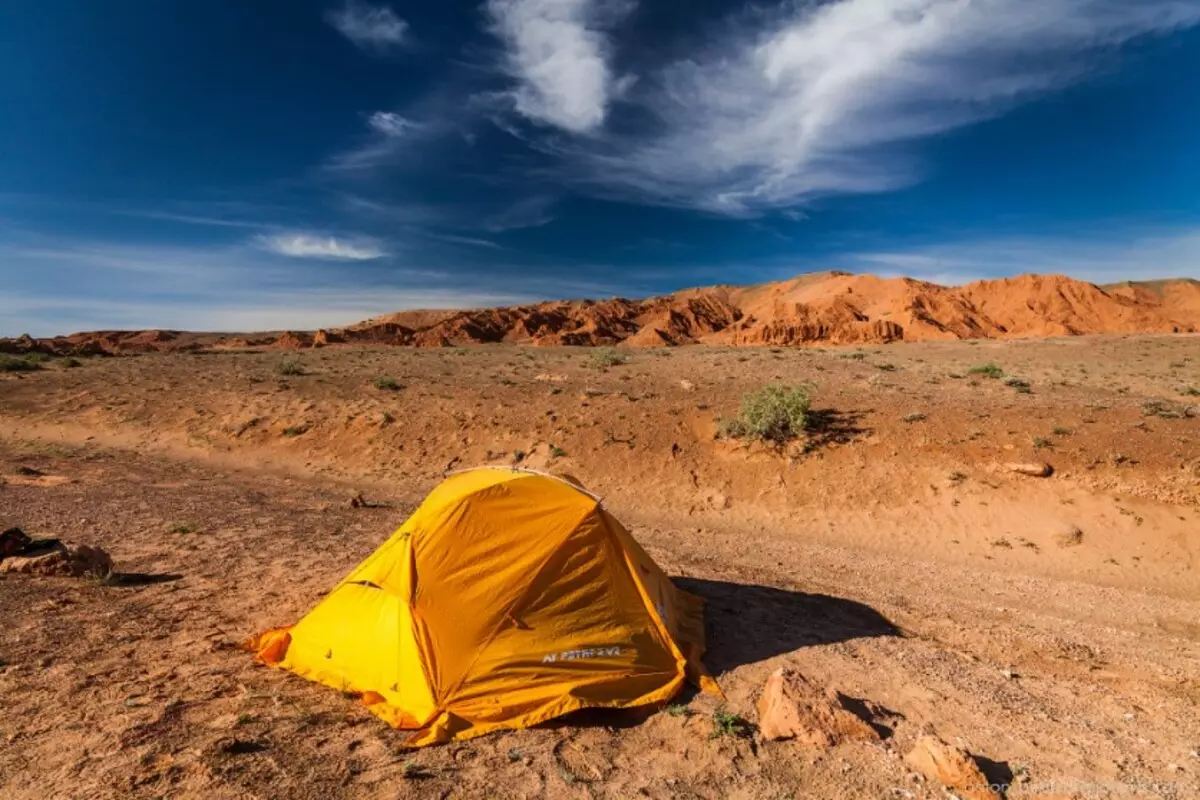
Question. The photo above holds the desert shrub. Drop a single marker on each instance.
(1190, 391)
(1060, 431)
(556, 451)
(1040, 442)
(885, 367)
(989, 370)
(71, 363)
(605, 357)
(10, 364)
(774, 413)
(289, 365)
(385, 384)
(1019, 384)
(295, 430)
(39, 358)
(726, 723)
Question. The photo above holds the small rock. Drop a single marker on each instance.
(1174, 768)
(686, 385)
(1008, 673)
(1037, 469)
(792, 707)
(59, 558)
(951, 766)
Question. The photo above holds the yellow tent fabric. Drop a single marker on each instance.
(508, 598)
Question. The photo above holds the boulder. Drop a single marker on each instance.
(792, 707)
(59, 558)
(952, 767)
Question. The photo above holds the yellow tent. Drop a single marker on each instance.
(508, 598)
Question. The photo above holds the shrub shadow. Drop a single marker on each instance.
(830, 426)
(746, 624)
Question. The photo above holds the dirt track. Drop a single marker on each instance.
(896, 561)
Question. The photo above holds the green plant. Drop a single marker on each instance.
(605, 357)
(515, 754)
(774, 413)
(289, 365)
(1041, 442)
(988, 370)
(1190, 391)
(386, 384)
(679, 710)
(556, 451)
(726, 723)
(294, 430)
(71, 363)
(885, 367)
(39, 358)
(181, 528)
(10, 364)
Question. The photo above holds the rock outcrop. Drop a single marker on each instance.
(820, 308)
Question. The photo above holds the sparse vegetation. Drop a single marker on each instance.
(773, 413)
(1042, 442)
(1019, 385)
(289, 365)
(679, 710)
(294, 430)
(71, 363)
(1061, 431)
(556, 451)
(385, 384)
(1190, 391)
(958, 477)
(12, 364)
(988, 370)
(726, 723)
(605, 357)
(182, 527)
(886, 367)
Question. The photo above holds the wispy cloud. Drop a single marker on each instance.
(307, 245)
(374, 28)
(812, 98)
(532, 212)
(1100, 256)
(558, 52)
(389, 123)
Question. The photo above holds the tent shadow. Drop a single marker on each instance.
(746, 624)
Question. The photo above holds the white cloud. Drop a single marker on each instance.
(307, 245)
(374, 28)
(814, 98)
(389, 123)
(558, 51)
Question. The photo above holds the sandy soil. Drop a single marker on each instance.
(1050, 626)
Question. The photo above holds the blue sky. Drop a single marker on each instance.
(234, 165)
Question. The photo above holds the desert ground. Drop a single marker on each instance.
(1050, 626)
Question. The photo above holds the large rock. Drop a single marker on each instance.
(792, 707)
(952, 767)
(60, 558)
